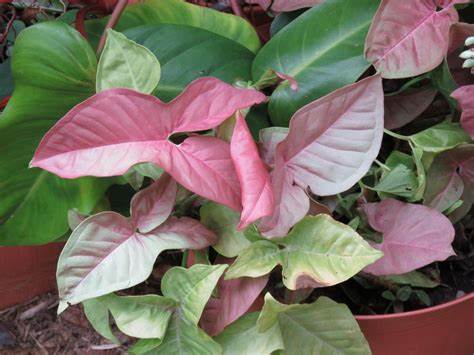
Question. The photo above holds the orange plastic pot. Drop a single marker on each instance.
(447, 329)
(26, 272)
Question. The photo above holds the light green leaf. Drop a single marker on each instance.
(235, 338)
(223, 221)
(141, 316)
(443, 136)
(126, 64)
(54, 69)
(183, 337)
(323, 49)
(322, 251)
(144, 346)
(192, 287)
(148, 170)
(318, 251)
(444, 82)
(323, 327)
(186, 53)
(400, 181)
(97, 313)
(257, 260)
(179, 12)
(414, 279)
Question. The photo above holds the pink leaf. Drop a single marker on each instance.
(409, 38)
(331, 144)
(152, 206)
(269, 139)
(401, 109)
(464, 96)
(115, 129)
(187, 233)
(235, 297)
(413, 236)
(257, 193)
(285, 5)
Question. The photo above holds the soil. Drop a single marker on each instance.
(34, 328)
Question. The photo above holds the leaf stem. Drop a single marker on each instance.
(396, 135)
(111, 23)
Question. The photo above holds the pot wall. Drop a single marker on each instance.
(26, 272)
(446, 329)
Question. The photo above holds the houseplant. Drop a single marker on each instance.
(329, 204)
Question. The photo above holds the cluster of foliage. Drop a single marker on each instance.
(247, 162)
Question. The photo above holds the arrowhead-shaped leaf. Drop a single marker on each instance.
(234, 298)
(413, 236)
(97, 314)
(105, 253)
(223, 222)
(141, 316)
(443, 136)
(192, 287)
(409, 38)
(152, 206)
(284, 5)
(121, 127)
(322, 50)
(404, 107)
(313, 254)
(257, 192)
(235, 339)
(450, 177)
(464, 95)
(331, 144)
(126, 64)
(323, 327)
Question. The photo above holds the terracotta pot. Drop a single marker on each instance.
(447, 329)
(26, 272)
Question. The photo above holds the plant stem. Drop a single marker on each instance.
(236, 8)
(184, 261)
(111, 23)
(396, 135)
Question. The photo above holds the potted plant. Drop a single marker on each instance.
(219, 190)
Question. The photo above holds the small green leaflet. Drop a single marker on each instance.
(126, 64)
(443, 136)
(313, 254)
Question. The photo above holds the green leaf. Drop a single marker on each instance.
(179, 12)
(444, 82)
(141, 316)
(186, 53)
(404, 293)
(443, 136)
(323, 49)
(257, 260)
(326, 251)
(400, 181)
(126, 64)
(414, 279)
(323, 327)
(144, 346)
(191, 288)
(6, 85)
(185, 338)
(389, 296)
(54, 69)
(223, 221)
(97, 313)
(235, 338)
(318, 251)
(423, 297)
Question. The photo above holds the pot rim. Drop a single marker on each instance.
(417, 312)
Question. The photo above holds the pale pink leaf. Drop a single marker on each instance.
(409, 38)
(269, 139)
(235, 298)
(402, 108)
(152, 206)
(291, 205)
(256, 188)
(333, 141)
(331, 144)
(118, 128)
(465, 97)
(413, 236)
(105, 254)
